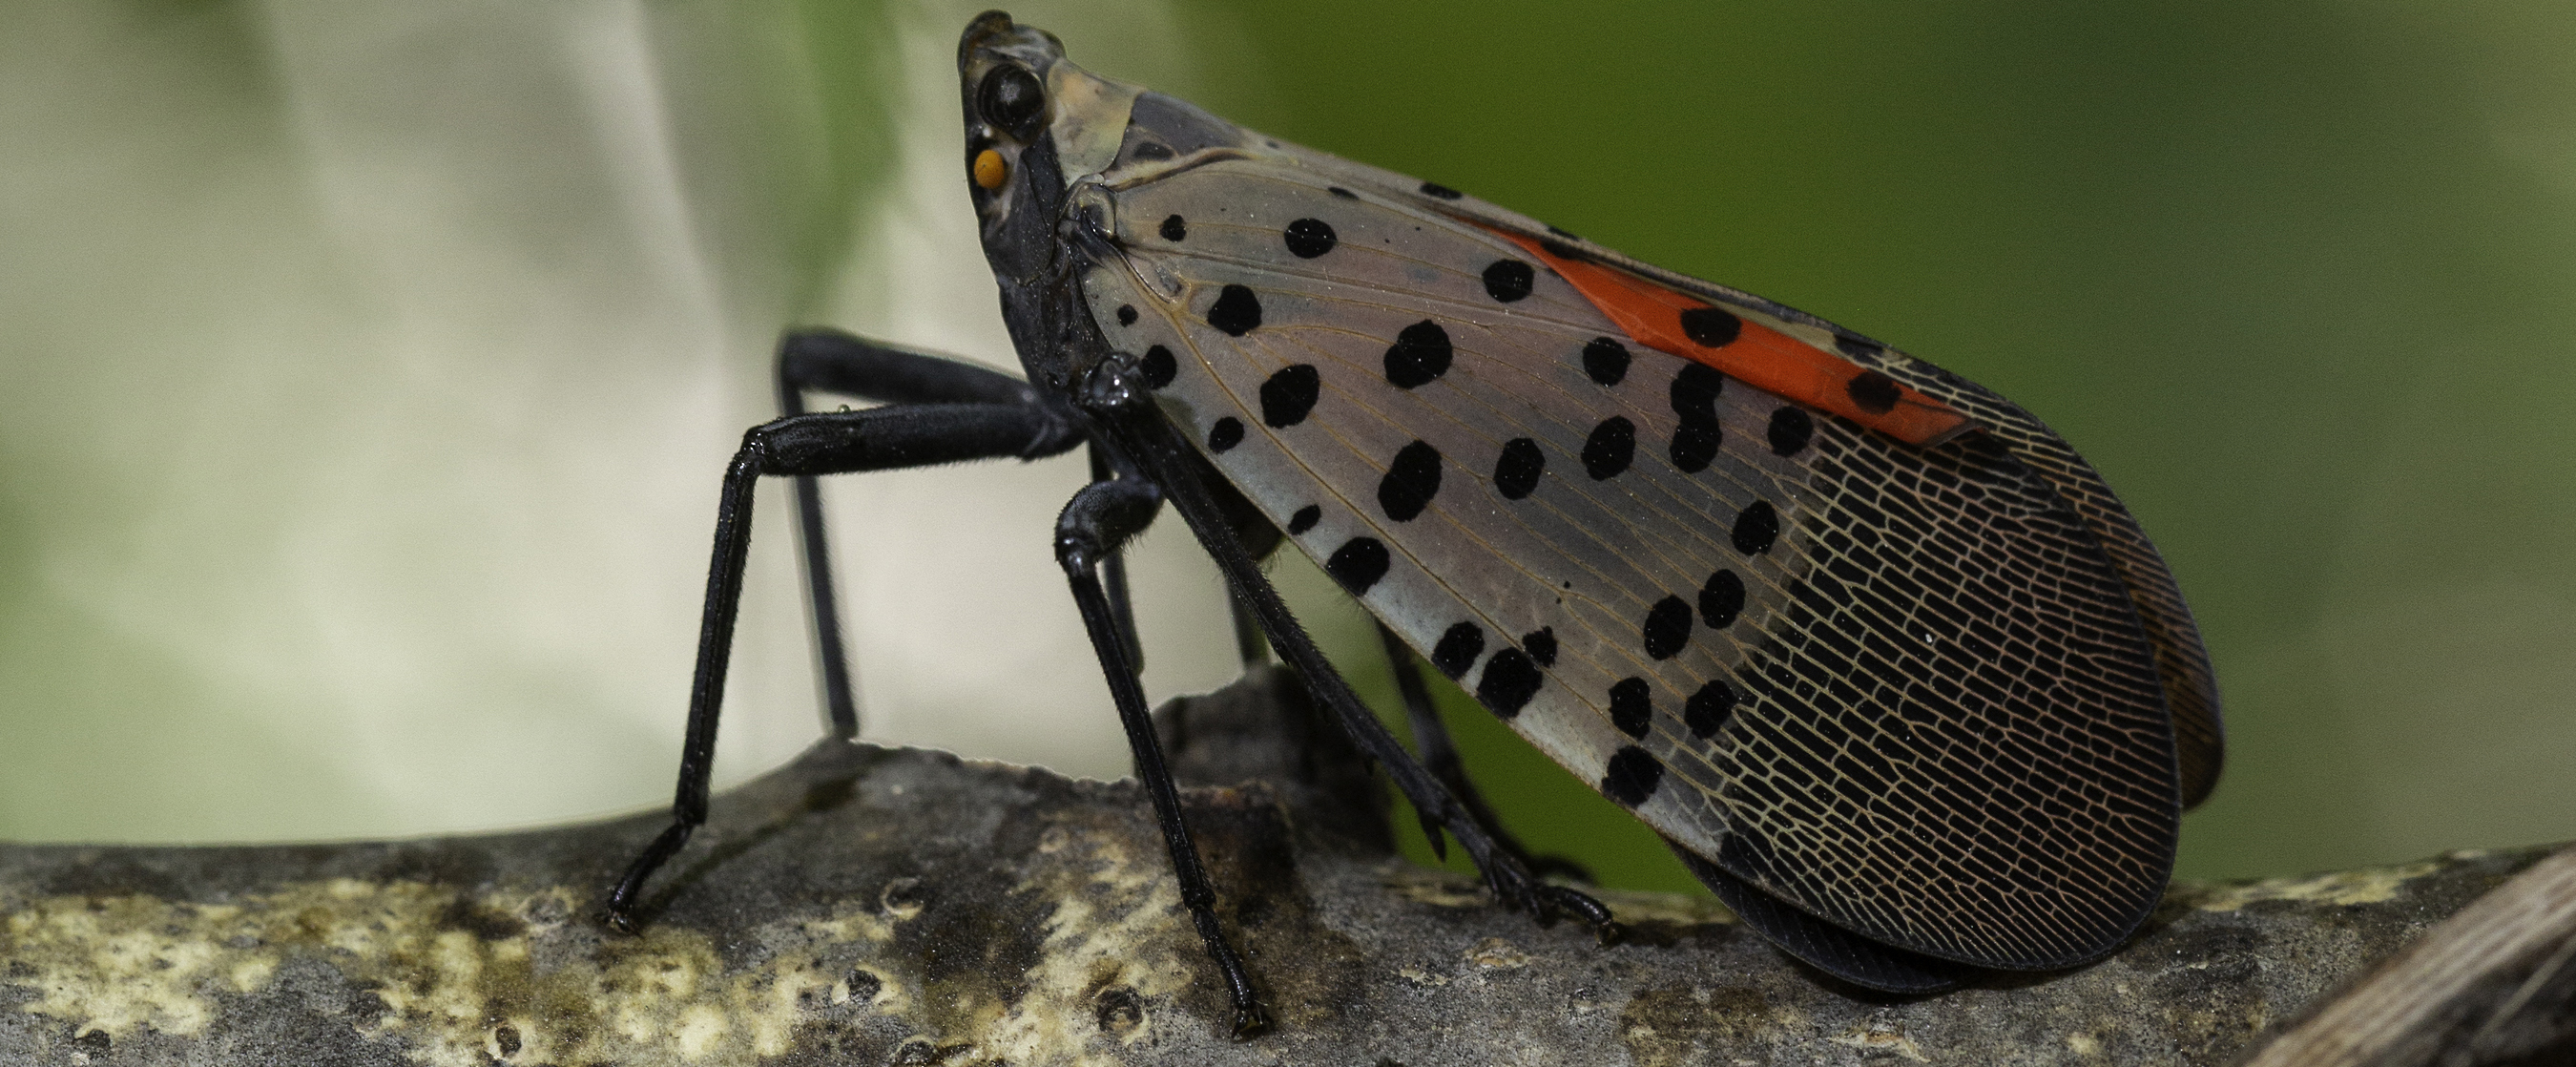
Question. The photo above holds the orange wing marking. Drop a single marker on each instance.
(1759, 355)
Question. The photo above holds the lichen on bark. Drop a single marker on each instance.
(872, 905)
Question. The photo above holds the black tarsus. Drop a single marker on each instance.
(836, 442)
(1094, 524)
(1439, 755)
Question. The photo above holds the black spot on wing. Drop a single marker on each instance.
(1227, 433)
(1707, 709)
(1289, 394)
(1694, 392)
(1610, 448)
(1632, 776)
(1507, 280)
(1541, 646)
(1159, 367)
(1791, 429)
(1304, 520)
(1439, 191)
(1308, 238)
(1175, 228)
(1605, 360)
(1412, 479)
(1458, 648)
(1874, 392)
(1711, 326)
(1632, 707)
(1516, 471)
(1721, 600)
(1511, 678)
(1236, 311)
(1756, 527)
(1126, 314)
(1358, 564)
(1420, 354)
(1695, 445)
(1667, 628)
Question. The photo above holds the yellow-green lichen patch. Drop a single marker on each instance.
(1871, 1038)
(1110, 950)
(1630, 906)
(457, 976)
(2369, 885)
(1440, 889)
(1496, 954)
(1673, 1025)
(110, 964)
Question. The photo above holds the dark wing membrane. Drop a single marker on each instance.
(1901, 690)
(1824, 946)
(2182, 660)
(2191, 688)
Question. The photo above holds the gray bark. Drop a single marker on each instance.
(870, 905)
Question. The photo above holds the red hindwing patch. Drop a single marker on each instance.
(1686, 326)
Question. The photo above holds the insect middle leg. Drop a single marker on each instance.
(1094, 524)
(839, 442)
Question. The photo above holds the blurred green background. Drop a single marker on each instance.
(365, 370)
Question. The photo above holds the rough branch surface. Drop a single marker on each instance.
(873, 906)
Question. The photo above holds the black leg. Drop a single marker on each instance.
(832, 361)
(1440, 756)
(827, 360)
(886, 438)
(1087, 536)
(1247, 634)
(1142, 434)
(1113, 573)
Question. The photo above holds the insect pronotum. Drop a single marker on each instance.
(1877, 653)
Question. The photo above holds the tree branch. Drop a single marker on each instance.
(871, 905)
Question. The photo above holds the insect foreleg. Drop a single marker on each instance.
(838, 442)
(828, 360)
(1088, 534)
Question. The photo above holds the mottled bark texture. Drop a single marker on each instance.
(873, 906)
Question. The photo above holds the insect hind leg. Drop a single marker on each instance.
(839, 442)
(822, 359)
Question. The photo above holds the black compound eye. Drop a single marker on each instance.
(1011, 100)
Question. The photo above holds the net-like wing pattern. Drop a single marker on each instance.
(1904, 690)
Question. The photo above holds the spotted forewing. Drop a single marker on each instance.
(1847, 629)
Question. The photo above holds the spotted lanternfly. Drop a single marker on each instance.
(1879, 655)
